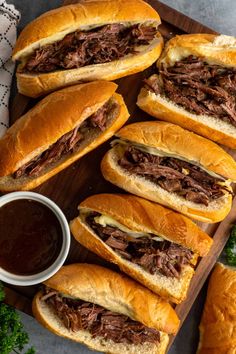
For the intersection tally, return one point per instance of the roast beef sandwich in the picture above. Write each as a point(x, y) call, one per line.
point(169, 165)
point(91, 40)
point(195, 86)
point(105, 311)
point(154, 245)
point(59, 130)
point(218, 323)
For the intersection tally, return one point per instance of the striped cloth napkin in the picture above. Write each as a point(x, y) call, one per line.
point(9, 18)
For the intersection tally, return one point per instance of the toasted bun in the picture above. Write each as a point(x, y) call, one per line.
point(214, 49)
point(221, 350)
point(34, 85)
point(35, 131)
point(48, 319)
point(162, 108)
point(55, 24)
point(51, 118)
point(171, 289)
point(171, 138)
point(218, 324)
point(112, 172)
point(116, 293)
point(144, 216)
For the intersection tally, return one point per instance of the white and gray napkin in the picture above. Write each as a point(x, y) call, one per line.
point(9, 18)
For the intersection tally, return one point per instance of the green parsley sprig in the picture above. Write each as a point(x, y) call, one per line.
point(2, 295)
point(13, 338)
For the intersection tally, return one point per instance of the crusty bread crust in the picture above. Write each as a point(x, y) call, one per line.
point(218, 323)
point(210, 127)
point(45, 123)
point(55, 24)
point(214, 49)
point(34, 85)
point(44, 314)
point(142, 215)
point(116, 293)
point(173, 139)
point(112, 172)
point(171, 289)
point(221, 350)
point(51, 118)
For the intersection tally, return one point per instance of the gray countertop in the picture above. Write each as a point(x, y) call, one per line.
point(217, 14)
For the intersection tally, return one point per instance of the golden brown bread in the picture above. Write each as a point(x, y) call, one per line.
point(35, 131)
point(34, 85)
point(176, 140)
point(49, 320)
point(116, 293)
point(143, 216)
point(222, 350)
point(170, 138)
point(112, 172)
point(169, 288)
point(161, 108)
point(215, 49)
point(218, 323)
point(44, 124)
point(54, 25)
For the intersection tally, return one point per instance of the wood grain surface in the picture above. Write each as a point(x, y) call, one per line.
point(84, 178)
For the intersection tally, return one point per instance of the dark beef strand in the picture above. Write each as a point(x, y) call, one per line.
point(173, 175)
point(199, 87)
point(67, 143)
point(99, 45)
point(154, 256)
point(80, 315)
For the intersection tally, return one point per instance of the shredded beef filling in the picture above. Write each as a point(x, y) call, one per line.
point(154, 256)
point(173, 175)
point(80, 315)
point(199, 87)
point(100, 45)
point(68, 143)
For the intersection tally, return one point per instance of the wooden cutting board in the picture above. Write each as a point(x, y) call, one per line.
point(84, 178)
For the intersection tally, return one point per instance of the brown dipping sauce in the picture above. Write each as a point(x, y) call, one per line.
point(30, 237)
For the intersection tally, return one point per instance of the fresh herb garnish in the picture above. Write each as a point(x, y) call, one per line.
point(230, 248)
point(13, 338)
point(2, 295)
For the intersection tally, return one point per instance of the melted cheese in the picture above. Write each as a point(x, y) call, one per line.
point(105, 220)
point(157, 152)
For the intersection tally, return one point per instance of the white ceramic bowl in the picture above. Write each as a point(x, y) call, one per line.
point(26, 280)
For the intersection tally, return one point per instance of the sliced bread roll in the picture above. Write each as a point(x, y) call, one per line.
point(39, 135)
point(53, 26)
point(218, 323)
point(165, 139)
point(212, 49)
point(114, 292)
point(139, 218)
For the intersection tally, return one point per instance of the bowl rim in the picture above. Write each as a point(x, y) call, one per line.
point(27, 280)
